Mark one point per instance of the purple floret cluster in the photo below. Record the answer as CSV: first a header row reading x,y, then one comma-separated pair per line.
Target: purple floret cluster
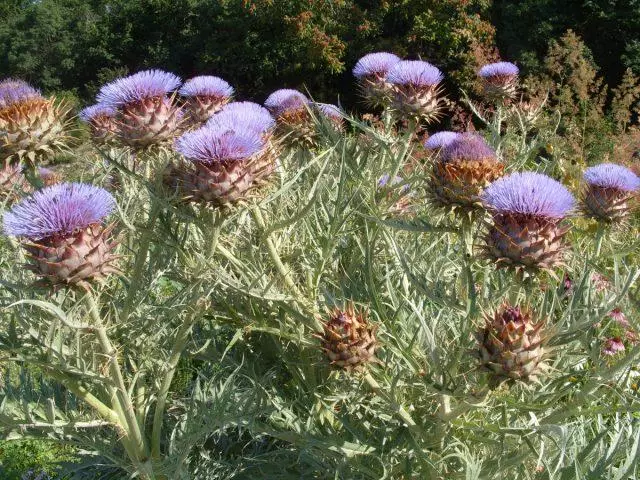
x,y
138,87
14,91
243,115
378,63
467,147
216,144
206,86
441,140
610,175
499,69
98,110
58,210
414,73
285,100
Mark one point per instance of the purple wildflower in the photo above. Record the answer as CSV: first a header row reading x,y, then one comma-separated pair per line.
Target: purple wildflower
x,y
468,147
14,91
441,140
530,194
375,64
619,316
284,100
243,116
98,110
137,87
206,86
613,346
499,69
329,110
414,73
211,144
58,210
610,175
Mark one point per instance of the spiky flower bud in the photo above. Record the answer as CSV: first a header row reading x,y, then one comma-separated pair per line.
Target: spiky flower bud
x,y
348,339
62,230
499,80
102,122
511,345
465,166
416,89
527,210
293,121
204,96
13,183
228,164
371,71
146,114
332,113
31,126
244,115
609,189
441,140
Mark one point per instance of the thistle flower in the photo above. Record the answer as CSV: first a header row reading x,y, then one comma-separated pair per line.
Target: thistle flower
x,y
612,346
527,210
293,122
31,126
348,339
371,71
244,116
441,140
462,170
146,115
228,164
416,86
619,317
205,95
102,122
609,189
62,230
48,176
499,79
332,113
511,344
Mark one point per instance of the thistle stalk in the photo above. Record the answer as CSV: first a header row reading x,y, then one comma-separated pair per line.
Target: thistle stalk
x,y
400,411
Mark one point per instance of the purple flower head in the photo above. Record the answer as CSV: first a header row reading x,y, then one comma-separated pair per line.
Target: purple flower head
x,y
375,64
499,69
206,86
138,87
58,210
528,193
243,116
619,316
329,110
467,147
610,175
14,91
441,140
284,100
213,144
613,346
414,73
98,110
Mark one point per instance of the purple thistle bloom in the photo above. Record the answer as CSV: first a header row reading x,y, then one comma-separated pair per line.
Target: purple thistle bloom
x,y
243,116
375,64
58,210
137,87
441,140
613,346
414,73
530,194
610,175
284,100
98,110
216,144
14,91
206,86
499,69
468,147
329,110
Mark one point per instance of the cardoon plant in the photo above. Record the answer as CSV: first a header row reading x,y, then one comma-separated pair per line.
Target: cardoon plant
x,y
244,115
294,124
204,96
62,229
465,166
228,164
527,210
31,126
511,344
416,89
499,80
609,189
371,71
147,115
102,122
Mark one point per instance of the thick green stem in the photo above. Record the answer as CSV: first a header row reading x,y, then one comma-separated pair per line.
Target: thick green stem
x,y
599,237
216,220
172,363
122,394
275,257
468,286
